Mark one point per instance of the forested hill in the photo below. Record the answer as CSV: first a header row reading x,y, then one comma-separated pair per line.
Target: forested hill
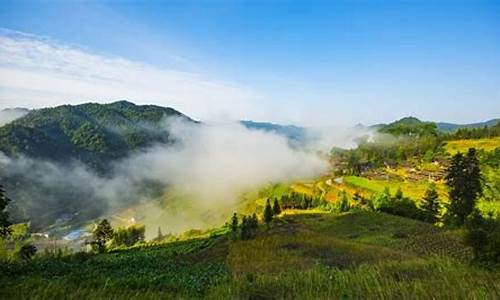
x,y
414,126
93,133
408,126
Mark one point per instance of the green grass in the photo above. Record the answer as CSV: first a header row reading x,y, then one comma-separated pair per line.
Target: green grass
x,y
363,183
186,268
303,255
436,278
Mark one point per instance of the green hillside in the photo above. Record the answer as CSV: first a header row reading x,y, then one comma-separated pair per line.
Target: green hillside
x,y
92,133
304,254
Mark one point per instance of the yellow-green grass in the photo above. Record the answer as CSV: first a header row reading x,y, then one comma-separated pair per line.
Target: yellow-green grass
x,y
299,241
435,278
488,144
353,255
413,189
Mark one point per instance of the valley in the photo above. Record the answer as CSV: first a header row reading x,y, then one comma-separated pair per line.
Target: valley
x,y
360,227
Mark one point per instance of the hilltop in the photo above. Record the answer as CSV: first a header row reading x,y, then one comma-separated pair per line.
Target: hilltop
x,y
92,133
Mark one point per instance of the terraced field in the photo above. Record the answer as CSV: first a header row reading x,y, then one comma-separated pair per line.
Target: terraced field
x,y
453,147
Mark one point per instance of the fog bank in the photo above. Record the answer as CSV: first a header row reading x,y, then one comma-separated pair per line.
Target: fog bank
x,y
194,183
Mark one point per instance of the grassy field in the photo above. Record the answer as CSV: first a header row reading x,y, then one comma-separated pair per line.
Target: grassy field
x,y
453,147
304,254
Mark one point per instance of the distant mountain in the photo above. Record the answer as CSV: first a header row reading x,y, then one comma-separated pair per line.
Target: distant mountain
x,y
450,127
91,133
410,126
294,133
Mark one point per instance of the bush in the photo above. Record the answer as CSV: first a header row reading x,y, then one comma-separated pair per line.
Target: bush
x,y
343,205
26,252
399,206
483,235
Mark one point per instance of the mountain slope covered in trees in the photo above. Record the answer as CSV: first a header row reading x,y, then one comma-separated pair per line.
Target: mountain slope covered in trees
x,y
92,133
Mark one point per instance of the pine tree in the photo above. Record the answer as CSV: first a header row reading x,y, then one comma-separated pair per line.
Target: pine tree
x,y
4,215
254,221
276,207
464,182
245,230
268,213
431,205
101,235
253,224
160,234
234,224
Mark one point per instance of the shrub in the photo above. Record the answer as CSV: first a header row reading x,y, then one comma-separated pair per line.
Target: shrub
x,y
483,235
343,204
399,206
26,252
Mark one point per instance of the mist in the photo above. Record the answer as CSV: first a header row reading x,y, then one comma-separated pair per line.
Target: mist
x,y
10,114
195,183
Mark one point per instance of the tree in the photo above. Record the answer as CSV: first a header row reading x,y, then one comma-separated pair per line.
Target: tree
x,y
254,222
160,234
276,207
102,233
464,182
128,236
430,204
268,213
248,226
245,229
4,215
234,224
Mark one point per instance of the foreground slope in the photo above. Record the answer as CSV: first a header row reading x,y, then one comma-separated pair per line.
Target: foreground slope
x,y
304,254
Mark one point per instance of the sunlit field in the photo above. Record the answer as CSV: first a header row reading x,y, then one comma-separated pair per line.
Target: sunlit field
x,y
487,144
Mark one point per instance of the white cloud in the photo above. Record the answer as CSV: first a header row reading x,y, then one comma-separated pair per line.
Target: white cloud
x,y
38,72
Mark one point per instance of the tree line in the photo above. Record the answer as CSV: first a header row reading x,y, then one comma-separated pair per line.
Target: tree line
x,y
474,133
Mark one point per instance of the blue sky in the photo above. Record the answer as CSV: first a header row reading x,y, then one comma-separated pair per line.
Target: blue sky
x,y
304,62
